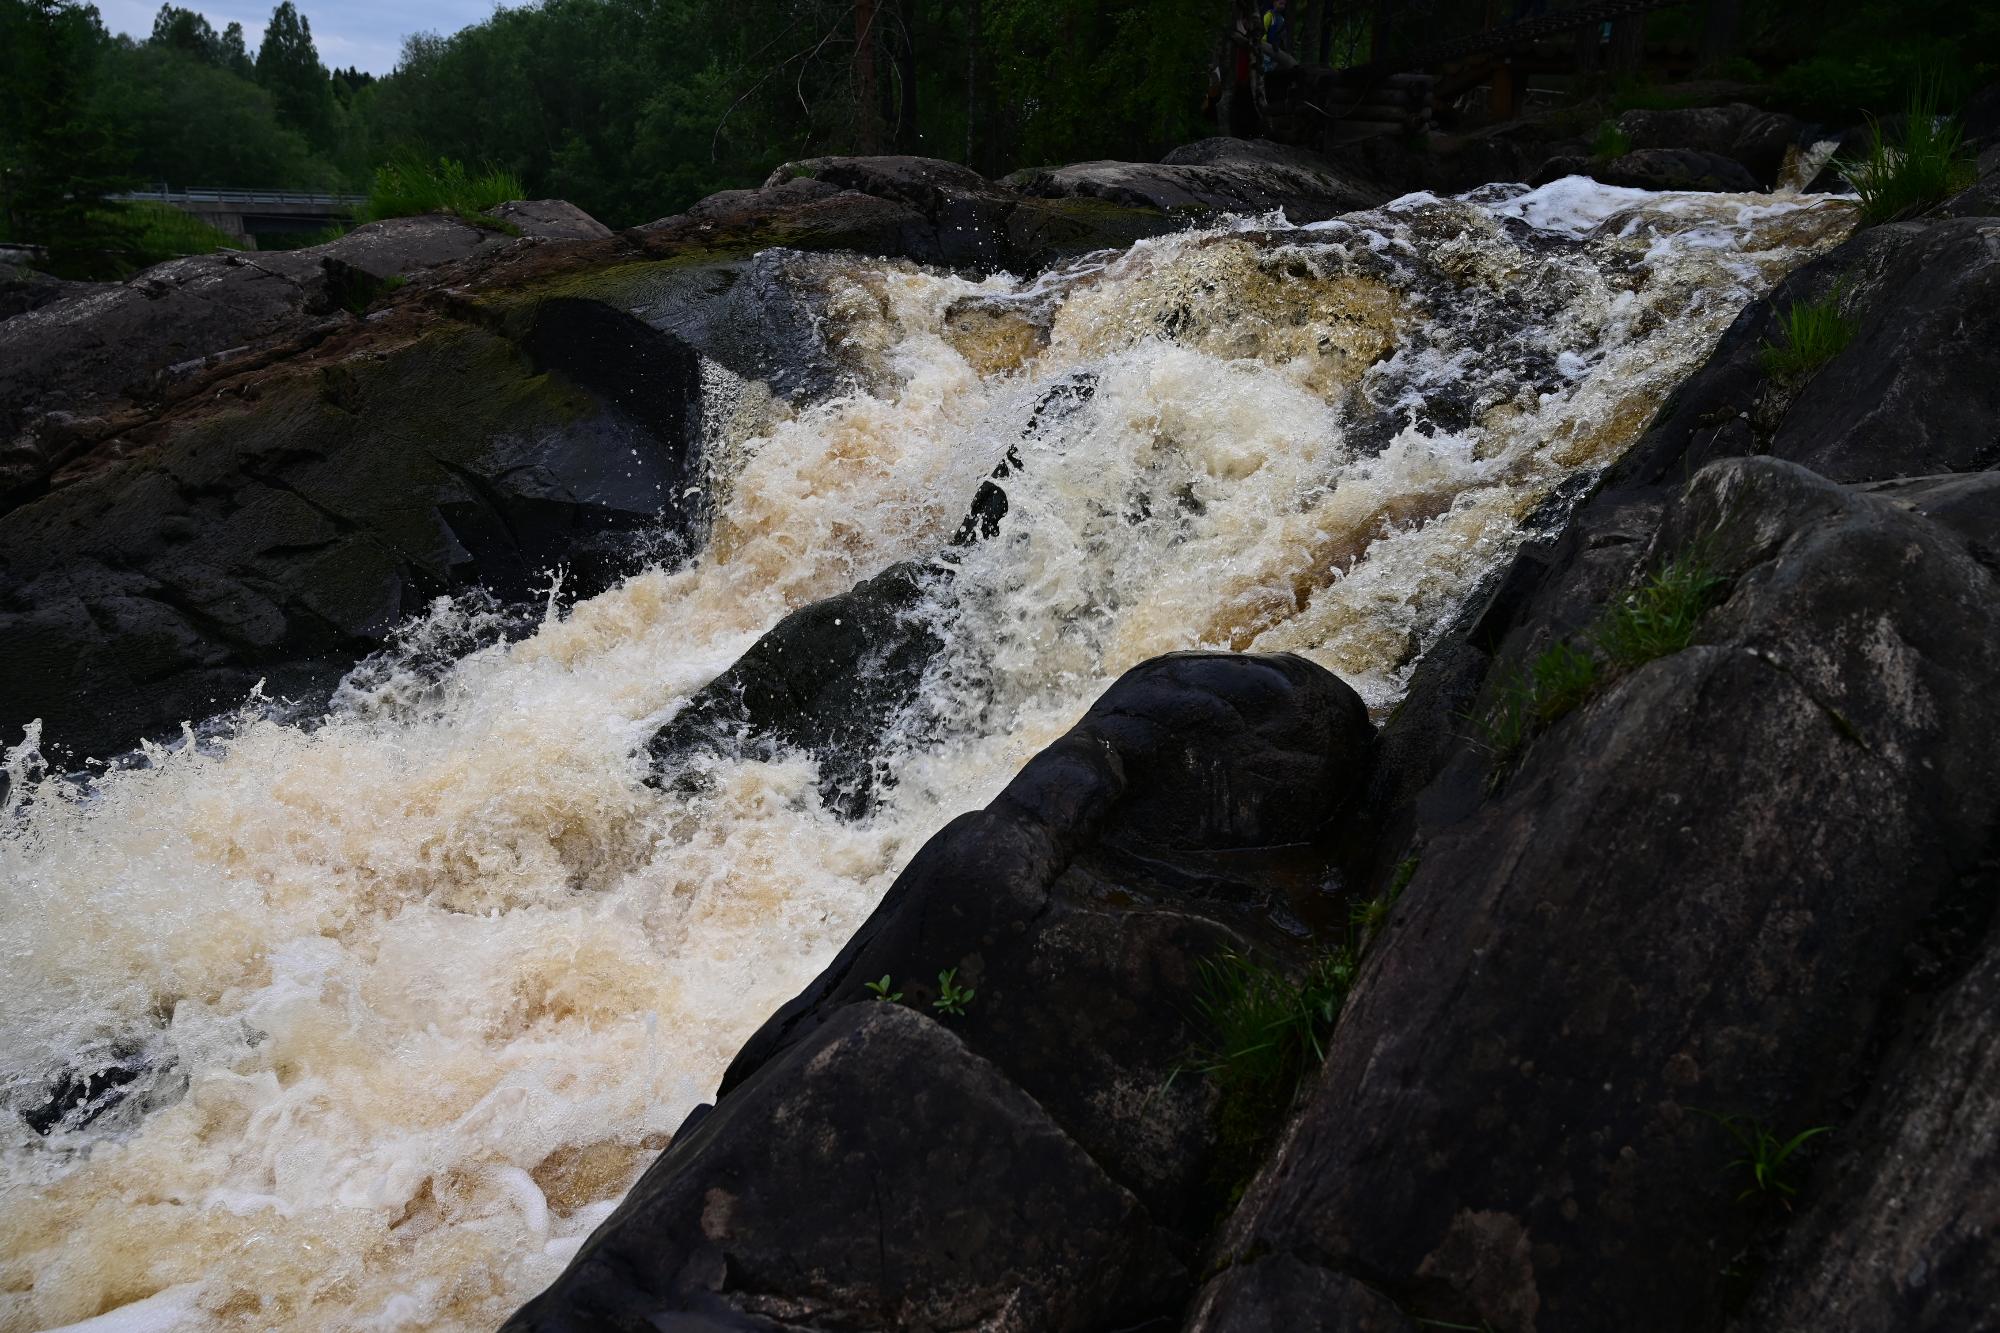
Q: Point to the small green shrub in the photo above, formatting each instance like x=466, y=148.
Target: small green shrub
x=1929, y=166
x=410, y=186
x=1769, y=1161
x=1660, y=615
x=1552, y=685
x=1266, y=1032
x=1367, y=919
x=1611, y=142
x=1652, y=620
x=882, y=989
x=1814, y=333
x=951, y=997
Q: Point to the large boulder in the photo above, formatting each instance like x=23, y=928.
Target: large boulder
x=1176, y=821
x=1674, y=169
x=1757, y=139
x=1706, y=892
x=879, y=1175
x=1182, y=818
x=285, y=533
x=1213, y=176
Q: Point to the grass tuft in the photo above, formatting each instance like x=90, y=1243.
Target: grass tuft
x=411, y=186
x=1661, y=615
x=1814, y=333
x=1929, y=166
x=1656, y=618
x=1611, y=142
x=1553, y=684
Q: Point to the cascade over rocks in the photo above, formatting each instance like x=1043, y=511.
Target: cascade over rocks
x=1177, y=820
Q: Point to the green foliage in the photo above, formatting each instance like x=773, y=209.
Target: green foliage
x=59, y=156
x=288, y=68
x=1814, y=333
x=151, y=232
x=1769, y=1160
x=1264, y=1032
x=1927, y=167
x=951, y=997
x=410, y=186
x=1366, y=919
x=1553, y=684
x=1611, y=142
x=1660, y=615
x=188, y=122
x=882, y=990
x=1656, y=618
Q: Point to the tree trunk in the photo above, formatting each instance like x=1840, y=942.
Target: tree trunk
x=906, y=78
x=1628, y=43
x=867, y=90
x=971, y=78
x=1718, y=33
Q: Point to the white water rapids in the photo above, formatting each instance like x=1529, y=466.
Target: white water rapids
x=420, y=989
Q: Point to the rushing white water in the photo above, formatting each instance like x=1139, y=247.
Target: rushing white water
x=418, y=991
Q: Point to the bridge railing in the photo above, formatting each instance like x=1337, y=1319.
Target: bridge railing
x=193, y=196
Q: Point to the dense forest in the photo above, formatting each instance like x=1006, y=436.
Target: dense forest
x=634, y=108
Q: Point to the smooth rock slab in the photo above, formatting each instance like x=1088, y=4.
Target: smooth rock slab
x=877, y=1175
x=1699, y=890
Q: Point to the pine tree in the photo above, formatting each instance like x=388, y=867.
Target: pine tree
x=288, y=67
x=185, y=30
x=235, y=53
x=58, y=159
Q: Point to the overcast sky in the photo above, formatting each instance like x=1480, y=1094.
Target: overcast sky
x=366, y=33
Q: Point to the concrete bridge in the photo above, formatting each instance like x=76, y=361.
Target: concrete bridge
x=245, y=214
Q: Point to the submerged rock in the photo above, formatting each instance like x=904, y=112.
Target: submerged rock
x=829, y=679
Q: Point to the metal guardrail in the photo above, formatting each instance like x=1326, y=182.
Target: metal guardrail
x=297, y=198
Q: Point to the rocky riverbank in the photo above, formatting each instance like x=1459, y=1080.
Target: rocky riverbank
x=1638, y=967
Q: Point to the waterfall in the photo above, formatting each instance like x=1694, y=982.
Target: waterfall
x=384, y=1009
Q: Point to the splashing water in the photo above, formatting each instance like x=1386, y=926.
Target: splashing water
x=392, y=1009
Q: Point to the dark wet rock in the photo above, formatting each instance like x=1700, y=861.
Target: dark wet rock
x=1738, y=131
x=550, y=220
x=970, y=222
x=1981, y=199
x=880, y=1174
x=283, y=535
x=1175, y=821
x=121, y=340
x=1711, y=886
x=829, y=679
x=1672, y=169
x=1215, y=175
x=82, y=1095
x=1901, y=1230
x=23, y=289
x=1917, y=390
x=1284, y=1292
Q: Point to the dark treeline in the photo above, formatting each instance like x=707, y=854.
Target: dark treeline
x=634, y=108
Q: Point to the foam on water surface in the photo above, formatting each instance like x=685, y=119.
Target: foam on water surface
x=412, y=995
